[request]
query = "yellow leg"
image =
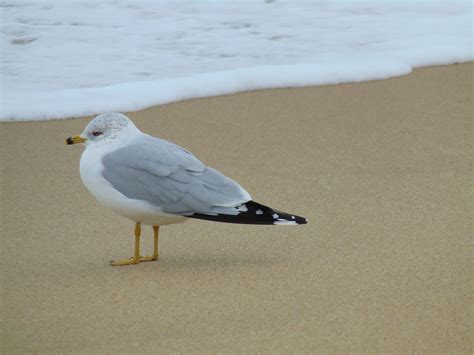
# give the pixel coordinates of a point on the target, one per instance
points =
(154, 256)
(136, 257)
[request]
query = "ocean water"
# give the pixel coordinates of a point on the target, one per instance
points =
(63, 58)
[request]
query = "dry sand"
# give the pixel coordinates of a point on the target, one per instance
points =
(380, 169)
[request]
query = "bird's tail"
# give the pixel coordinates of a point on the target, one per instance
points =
(253, 213)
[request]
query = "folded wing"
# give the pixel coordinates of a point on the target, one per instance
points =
(171, 178)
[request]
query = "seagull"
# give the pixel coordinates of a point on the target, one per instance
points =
(155, 182)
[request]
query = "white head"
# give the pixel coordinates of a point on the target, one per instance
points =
(104, 129)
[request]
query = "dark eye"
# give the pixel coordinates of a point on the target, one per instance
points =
(96, 133)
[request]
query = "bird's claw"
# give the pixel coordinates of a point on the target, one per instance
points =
(131, 261)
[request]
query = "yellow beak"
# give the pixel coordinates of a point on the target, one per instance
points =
(75, 140)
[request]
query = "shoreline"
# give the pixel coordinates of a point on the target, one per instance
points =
(381, 169)
(200, 93)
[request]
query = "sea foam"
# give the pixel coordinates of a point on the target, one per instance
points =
(66, 59)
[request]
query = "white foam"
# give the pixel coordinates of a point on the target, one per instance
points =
(66, 59)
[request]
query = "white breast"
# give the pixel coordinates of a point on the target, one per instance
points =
(91, 168)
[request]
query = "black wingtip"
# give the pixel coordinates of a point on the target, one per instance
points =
(300, 220)
(281, 218)
(255, 213)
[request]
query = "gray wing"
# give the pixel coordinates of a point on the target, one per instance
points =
(171, 178)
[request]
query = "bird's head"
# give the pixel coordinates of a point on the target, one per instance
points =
(104, 129)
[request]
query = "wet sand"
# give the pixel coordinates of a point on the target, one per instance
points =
(381, 170)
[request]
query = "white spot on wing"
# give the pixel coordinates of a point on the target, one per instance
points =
(259, 212)
(242, 208)
(275, 216)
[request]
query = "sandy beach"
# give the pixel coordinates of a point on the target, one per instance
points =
(381, 170)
